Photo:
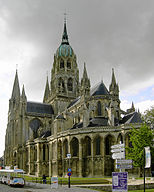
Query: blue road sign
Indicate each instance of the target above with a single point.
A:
(69, 173)
(119, 181)
(69, 170)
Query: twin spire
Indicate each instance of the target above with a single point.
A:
(16, 89)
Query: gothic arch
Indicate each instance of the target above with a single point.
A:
(61, 85)
(97, 145)
(120, 138)
(99, 108)
(61, 64)
(70, 84)
(44, 152)
(65, 148)
(35, 124)
(68, 64)
(109, 141)
(74, 147)
(87, 146)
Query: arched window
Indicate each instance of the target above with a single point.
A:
(99, 108)
(35, 125)
(98, 145)
(43, 152)
(74, 147)
(61, 64)
(68, 64)
(120, 138)
(70, 84)
(35, 153)
(87, 143)
(65, 148)
(107, 146)
(61, 85)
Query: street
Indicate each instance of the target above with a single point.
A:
(5, 188)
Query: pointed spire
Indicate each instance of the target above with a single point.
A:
(16, 89)
(113, 77)
(85, 71)
(65, 36)
(133, 106)
(47, 91)
(23, 94)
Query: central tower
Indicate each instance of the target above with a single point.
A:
(64, 84)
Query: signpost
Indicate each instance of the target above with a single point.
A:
(69, 170)
(54, 182)
(118, 151)
(119, 181)
(124, 164)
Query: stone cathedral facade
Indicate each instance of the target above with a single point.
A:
(73, 118)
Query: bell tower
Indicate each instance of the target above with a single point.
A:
(64, 84)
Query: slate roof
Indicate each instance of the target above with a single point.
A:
(41, 108)
(60, 117)
(99, 89)
(133, 117)
(46, 134)
(77, 125)
(74, 101)
(98, 121)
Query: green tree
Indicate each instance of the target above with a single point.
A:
(148, 116)
(139, 138)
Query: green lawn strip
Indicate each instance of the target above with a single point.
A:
(64, 181)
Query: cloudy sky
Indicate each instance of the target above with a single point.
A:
(104, 34)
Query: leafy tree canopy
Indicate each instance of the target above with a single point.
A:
(148, 116)
(139, 139)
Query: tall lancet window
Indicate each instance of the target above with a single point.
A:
(61, 85)
(61, 64)
(70, 84)
(68, 64)
(99, 108)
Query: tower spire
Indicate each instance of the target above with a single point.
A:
(23, 95)
(113, 77)
(47, 91)
(16, 89)
(65, 36)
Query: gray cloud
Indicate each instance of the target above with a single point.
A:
(103, 33)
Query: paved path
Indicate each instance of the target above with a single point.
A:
(40, 188)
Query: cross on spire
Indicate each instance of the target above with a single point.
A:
(65, 17)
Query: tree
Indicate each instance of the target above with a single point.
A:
(148, 117)
(139, 138)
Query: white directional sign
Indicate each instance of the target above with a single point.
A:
(118, 155)
(118, 146)
(118, 151)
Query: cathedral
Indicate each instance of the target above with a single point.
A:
(73, 118)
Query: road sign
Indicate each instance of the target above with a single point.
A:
(68, 155)
(124, 166)
(54, 182)
(118, 146)
(124, 161)
(117, 150)
(119, 181)
(69, 170)
(118, 155)
(69, 174)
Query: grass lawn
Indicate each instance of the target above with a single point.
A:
(64, 181)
